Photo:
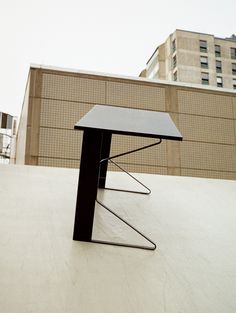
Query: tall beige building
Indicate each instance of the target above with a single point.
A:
(195, 58)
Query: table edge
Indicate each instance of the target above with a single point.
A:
(127, 133)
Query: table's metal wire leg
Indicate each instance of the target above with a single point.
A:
(110, 159)
(134, 178)
(153, 247)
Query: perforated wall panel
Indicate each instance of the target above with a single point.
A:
(142, 168)
(207, 121)
(234, 107)
(59, 143)
(72, 88)
(207, 129)
(207, 173)
(62, 114)
(136, 96)
(197, 155)
(54, 162)
(205, 104)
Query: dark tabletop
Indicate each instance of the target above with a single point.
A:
(130, 122)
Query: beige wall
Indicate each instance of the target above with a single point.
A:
(58, 99)
(20, 144)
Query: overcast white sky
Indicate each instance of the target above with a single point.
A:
(116, 37)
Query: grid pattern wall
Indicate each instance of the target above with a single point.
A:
(206, 120)
(205, 104)
(59, 143)
(58, 140)
(136, 96)
(72, 88)
(234, 107)
(61, 114)
(65, 99)
(197, 155)
(207, 129)
(235, 130)
(134, 168)
(208, 174)
(54, 162)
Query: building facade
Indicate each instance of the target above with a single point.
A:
(7, 132)
(56, 99)
(195, 58)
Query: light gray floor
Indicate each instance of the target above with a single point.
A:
(42, 270)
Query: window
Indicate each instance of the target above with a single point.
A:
(217, 51)
(234, 68)
(219, 81)
(205, 78)
(234, 83)
(174, 45)
(203, 45)
(174, 61)
(3, 123)
(204, 62)
(218, 67)
(233, 53)
(175, 76)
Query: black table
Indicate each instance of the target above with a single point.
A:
(98, 125)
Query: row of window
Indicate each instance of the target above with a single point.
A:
(219, 80)
(205, 79)
(204, 64)
(203, 48)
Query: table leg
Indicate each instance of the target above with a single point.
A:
(88, 183)
(105, 151)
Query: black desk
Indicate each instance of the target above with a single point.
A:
(98, 125)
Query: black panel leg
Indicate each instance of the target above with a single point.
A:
(88, 183)
(105, 151)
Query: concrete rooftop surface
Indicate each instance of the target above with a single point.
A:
(42, 270)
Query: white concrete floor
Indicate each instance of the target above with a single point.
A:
(42, 270)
